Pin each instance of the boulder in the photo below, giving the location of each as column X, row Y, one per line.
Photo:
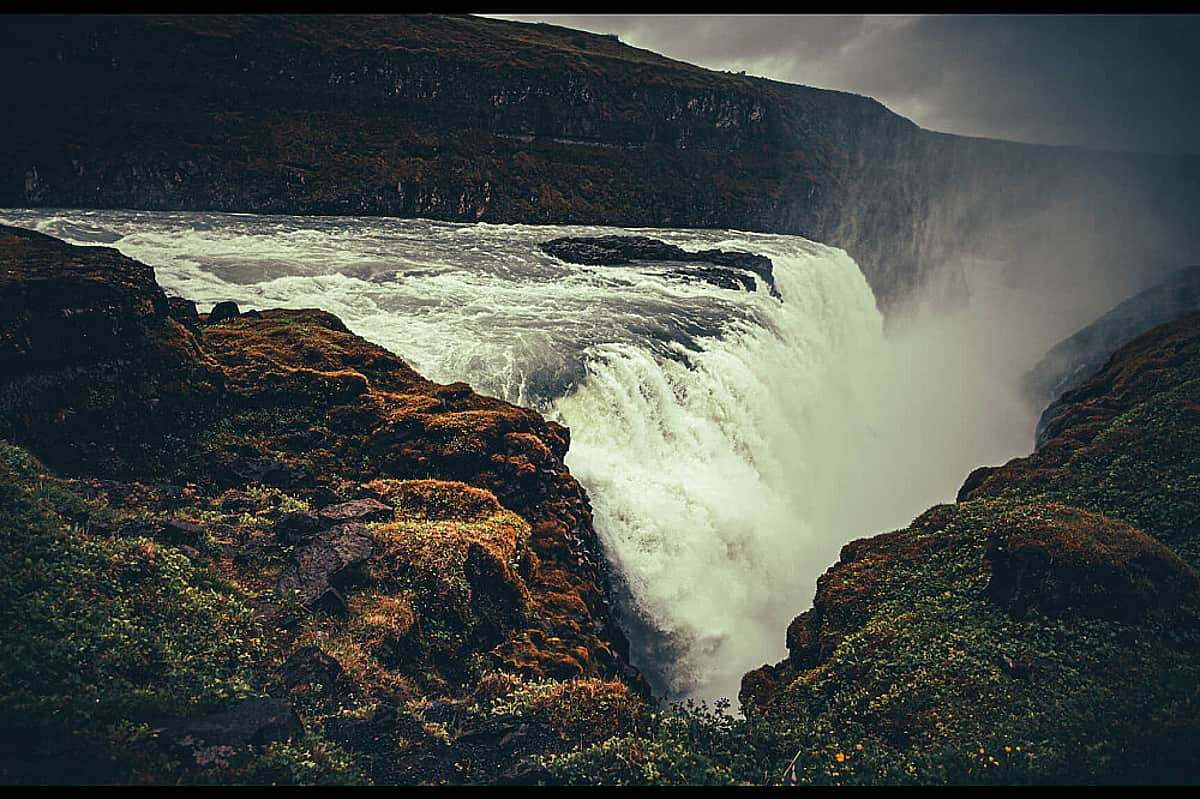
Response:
column 211, row 739
column 357, row 510
column 266, row 471
column 325, row 562
column 721, row 268
column 223, row 311
column 294, row 526
column 309, row 665
column 1054, row 559
column 184, row 312
column 181, row 531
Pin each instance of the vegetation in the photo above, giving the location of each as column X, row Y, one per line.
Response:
column 1043, row 629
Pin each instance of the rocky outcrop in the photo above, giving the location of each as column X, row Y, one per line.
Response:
column 101, row 381
column 324, row 562
column 1016, row 619
column 470, row 119
column 626, row 250
column 1077, row 358
column 222, row 736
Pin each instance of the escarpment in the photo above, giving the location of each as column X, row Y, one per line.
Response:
column 400, row 542
column 1045, row 627
column 470, row 119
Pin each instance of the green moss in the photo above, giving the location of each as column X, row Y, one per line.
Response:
column 99, row 632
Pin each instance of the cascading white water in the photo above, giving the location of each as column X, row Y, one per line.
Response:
column 704, row 477
column 730, row 442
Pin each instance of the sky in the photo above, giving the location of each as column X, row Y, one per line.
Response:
column 1104, row 81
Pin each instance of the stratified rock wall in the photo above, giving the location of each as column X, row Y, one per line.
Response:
column 468, row 119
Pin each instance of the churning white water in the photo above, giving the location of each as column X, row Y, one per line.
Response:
column 730, row 442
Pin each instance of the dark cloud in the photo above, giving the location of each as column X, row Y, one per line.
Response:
column 1104, row 81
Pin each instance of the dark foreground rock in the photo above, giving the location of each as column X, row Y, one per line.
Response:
column 251, row 722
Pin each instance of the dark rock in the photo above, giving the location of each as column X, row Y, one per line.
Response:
column 223, row 311
column 625, row 250
column 357, row 510
column 311, row 666
column 322, row 496
column 324, row 562
column 292, row 527
column 250, row 722
column 1057, row 560
column 184, row 311
column 191, row 553
column 180, row 531
column 973, row 481
column 238, row 502
column 266, row 471
column 331, row 602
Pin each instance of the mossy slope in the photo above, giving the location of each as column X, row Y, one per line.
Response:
column 196, row 474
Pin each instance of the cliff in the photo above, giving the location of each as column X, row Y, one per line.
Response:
column 468, row 119
column 252, row 547
column 1077, row 357
column 1045, row 628
column 255, row 547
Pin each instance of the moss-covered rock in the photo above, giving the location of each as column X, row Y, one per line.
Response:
column 222, row 501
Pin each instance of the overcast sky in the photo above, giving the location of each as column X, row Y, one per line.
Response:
column 1111, row 82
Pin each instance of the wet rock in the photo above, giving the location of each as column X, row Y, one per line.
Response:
column 626, row 250
column 223, row 311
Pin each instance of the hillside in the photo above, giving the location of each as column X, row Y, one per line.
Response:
column 254, row 547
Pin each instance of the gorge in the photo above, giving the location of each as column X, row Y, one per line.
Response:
column 614, row 356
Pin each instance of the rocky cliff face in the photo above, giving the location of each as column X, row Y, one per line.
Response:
column 478, row 120
column 1076, row 358
column 1046, row 627
column 393, row 542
